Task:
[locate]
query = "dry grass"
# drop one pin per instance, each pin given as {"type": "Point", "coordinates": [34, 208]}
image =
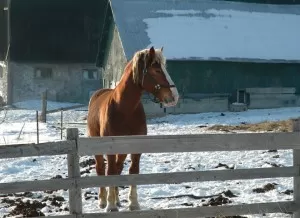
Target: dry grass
{"type": "Point", "coordinates": [268, 126]}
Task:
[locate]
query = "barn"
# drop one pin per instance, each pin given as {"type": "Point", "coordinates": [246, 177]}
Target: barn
{"type": "Point", "coordinates": [51, 45]}
{"type": "Point", "coordinates": [218, 52]}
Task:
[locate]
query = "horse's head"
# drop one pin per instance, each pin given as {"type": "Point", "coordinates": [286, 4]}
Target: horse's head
{"type": "Point", "coordinates": [149, 71]}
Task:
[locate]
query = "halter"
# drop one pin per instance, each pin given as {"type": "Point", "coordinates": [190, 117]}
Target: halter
{"type": "Point", "coordinates": [157, 86]}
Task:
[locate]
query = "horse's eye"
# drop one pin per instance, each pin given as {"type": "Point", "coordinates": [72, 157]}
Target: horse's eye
{"type": "Point", "coordinates": [155, 64]}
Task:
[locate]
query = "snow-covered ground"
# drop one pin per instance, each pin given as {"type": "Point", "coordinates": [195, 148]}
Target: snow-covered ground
{"type": "Point", "coordinates": [24, 169]}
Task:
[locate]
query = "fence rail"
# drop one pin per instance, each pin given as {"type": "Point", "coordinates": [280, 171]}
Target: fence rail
{"type": "Point", "coordinates": [153, 178]}
{"type": "Point", "coordinates": [75, 146]}
{"type": "Point", "coordinates": [188, 143]}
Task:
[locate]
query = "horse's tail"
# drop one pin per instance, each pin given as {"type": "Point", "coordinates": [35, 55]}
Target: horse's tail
{"type": "Point", "coordinates": [93, 109]}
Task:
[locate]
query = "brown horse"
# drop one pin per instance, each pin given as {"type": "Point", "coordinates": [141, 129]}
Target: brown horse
{"type": "Point", "coordinates": [119, 112]}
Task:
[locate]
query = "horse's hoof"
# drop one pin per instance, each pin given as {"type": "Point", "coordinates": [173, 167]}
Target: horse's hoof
{"type": "Point", "coordinates": [134, 207]}
{"type": "Point", "coordinates": [112, 209]}
{"type": "Point", "coordinates": [102, 206]}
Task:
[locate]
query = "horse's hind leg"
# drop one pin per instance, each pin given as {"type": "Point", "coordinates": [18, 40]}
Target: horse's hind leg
{"type": "Point", "coordinates": [100, 169]}
{"type": "Point", "coordinates": [134, 169]}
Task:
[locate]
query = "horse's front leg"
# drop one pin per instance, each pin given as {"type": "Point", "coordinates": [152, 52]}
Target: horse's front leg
{"type": "Point", "coordinates": [120, 164]}
{"type": "Point", "coordinates": [111, 170]}
{"type": "Point", "coordinates": [134, 169]}
{"type": "Point", "coordinates": [100, 169]}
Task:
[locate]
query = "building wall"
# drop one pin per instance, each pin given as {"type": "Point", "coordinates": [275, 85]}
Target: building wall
{"type": "Point", "coordinates": [67, 82]}
{"type": "Point", "coordinates": [207, 77]}
{"type": "Point", "coordinates": [206, 86]}
{"type": "Point", "coordinates": [115, 60]}
{"type": "Point", "coordinates": [3, 82]}
{"type": "Point", "coordinates": [3, 29]}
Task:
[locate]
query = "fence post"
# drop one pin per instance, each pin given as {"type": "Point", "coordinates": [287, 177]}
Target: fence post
{"type": "Point", "coordinates": [37, 128]}
{"type": "Point", "coordinates": [61, 123]}
{"type": "Point", "coordinates": [75, 200]}
{"type": "Point", "coordinates": [296, 160]}
{"type": "Point", "coordinates": [44, 107]}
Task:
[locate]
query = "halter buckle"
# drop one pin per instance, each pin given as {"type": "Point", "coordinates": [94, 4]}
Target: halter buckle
{"type": "Point", "coordinates": [145, 71]}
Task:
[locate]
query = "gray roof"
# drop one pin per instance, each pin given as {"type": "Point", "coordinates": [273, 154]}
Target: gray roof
{"type": "Point", "coordinates": [210, 29]}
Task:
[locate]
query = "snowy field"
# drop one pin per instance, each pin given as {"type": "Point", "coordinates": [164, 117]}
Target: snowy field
{"type": "Point", "coordinates": [36, 168]}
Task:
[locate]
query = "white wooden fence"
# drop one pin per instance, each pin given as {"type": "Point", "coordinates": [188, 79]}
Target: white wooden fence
{"type": "Point", "coordinates": [75, 147]}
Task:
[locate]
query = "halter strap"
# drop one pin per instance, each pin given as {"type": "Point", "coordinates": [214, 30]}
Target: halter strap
{"type": "Point", "coordinates": [157, 86]}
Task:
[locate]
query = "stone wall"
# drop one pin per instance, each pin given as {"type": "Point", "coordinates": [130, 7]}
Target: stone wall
{"type": "Point", "coordinates": [3, 82]}
{"type": "Point", "coordinates": [116, 60]}
{"type": "Point", "coordinates": [66, 82]}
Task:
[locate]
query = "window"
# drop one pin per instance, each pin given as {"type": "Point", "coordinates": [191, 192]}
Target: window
{"type": "Point", "coordinates": [43, 73]}
{"type": "Point", "coordinates": [57, 74]}
{"type": "Point", "coordinates": [91, 74]}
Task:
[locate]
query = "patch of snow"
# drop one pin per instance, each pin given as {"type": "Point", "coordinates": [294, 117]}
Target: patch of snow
{"type": "Point", "coordinates": [2, 64]}
{"type": "Point", "coordinates": [187, 123]}
{"type": "Point", "coordinates": [238, 103]}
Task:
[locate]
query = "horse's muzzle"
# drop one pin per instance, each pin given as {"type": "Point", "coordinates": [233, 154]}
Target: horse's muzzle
{"type": "Point", "coordinates": [170, 101]}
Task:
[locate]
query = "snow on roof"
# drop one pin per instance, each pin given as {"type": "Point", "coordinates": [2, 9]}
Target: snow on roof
{"type": "Point", "coordinates": [210, 30]}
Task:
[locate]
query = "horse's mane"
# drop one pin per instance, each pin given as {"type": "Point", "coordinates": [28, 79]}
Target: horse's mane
{"type": "Point", "coordinates": [142, 56]}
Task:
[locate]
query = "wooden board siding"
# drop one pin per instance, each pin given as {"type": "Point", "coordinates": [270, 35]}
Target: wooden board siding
{"type": "Point", "coordinates": [225, 77]}
{"type": "Point", "coordinates": [65, 31]}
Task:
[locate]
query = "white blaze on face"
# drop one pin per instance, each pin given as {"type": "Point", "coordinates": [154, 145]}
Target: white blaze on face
{"type": "Point", "coordinates": [173, 89]}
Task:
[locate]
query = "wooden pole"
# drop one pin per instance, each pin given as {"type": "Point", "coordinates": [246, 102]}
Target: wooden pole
{"type": "Point", "coordinates": [75, 200]}
{"type": "Point", "coordinates": [44, 106]}
{"type": "Point", "coordinates": [37, 128]}
{"type": "Point", "coordinates": [7, 58]}
{"type": "Point", "coordinates": [61, 123]}
{"type": "Point", "coordinates": [296, 160]}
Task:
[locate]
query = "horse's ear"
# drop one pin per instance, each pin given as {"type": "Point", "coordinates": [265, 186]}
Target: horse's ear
{"type": "Point", "coordinates": [162, 48]}
{"type": "Point", "coordinates": [152, 53]}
